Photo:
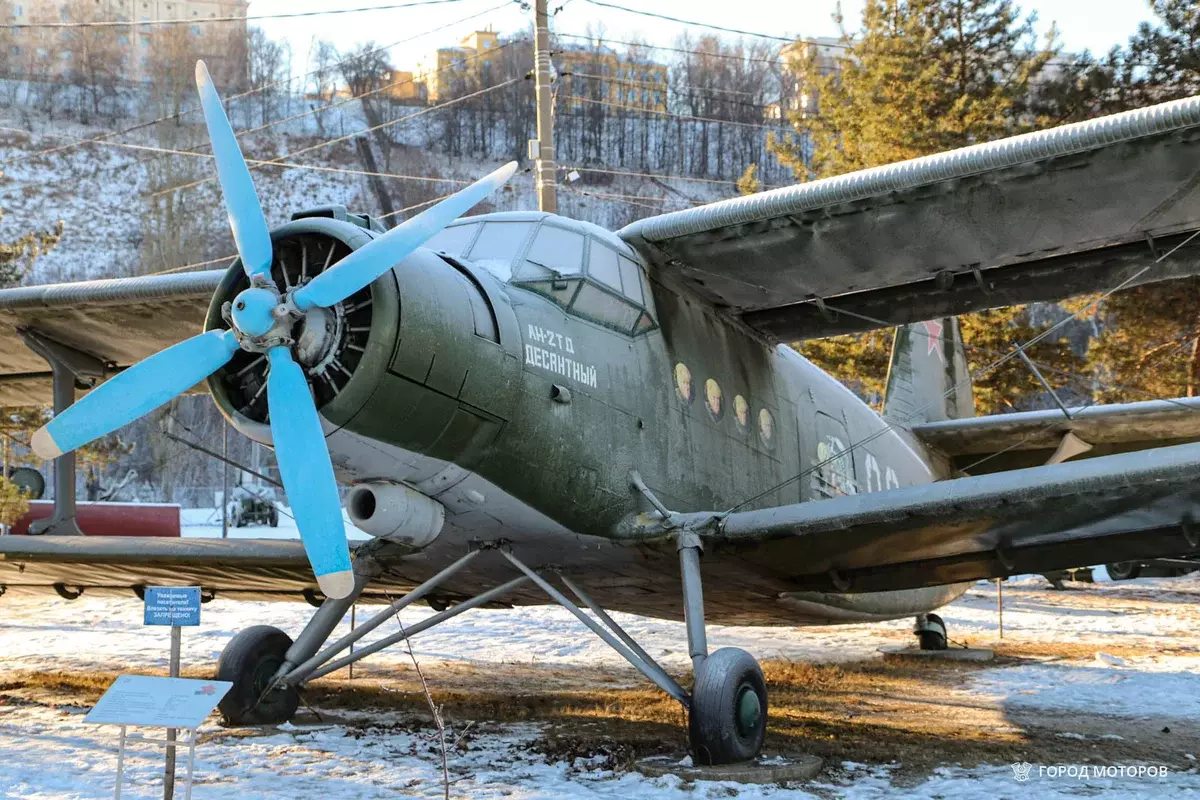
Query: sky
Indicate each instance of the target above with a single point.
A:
(1094, 25)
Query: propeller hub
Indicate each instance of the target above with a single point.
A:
(254, 312)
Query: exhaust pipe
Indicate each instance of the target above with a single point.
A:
(395, 512)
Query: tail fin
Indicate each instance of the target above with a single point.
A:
(928, 379)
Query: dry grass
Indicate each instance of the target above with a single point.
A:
(914, 712)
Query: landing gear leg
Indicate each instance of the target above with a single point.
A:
(727, 718)
(254, 659)
(930, 631)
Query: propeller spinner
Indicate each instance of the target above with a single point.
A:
(261, 321)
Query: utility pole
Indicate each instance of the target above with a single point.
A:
(541, 149)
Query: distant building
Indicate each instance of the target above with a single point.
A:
(132, 46)
(802, 61)
(439, 71)
(599, 73)
(402, 86)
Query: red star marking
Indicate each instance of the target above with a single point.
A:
(933, 329)
(208, 689)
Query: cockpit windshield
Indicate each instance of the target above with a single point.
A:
(581, 267)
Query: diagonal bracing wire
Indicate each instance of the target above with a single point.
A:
(888, 426)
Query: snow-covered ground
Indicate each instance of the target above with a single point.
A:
(47, 751)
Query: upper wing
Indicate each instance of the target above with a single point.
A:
(1035, 217)
(118, 322)
(1009, 441)
(1101, 510)
(244, 569)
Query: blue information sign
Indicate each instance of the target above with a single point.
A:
(172, 605)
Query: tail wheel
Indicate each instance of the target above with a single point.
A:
(933, 635)
(250, 661)
(727, 721)
(1123, 570)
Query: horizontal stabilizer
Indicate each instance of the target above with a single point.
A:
(1006, 441)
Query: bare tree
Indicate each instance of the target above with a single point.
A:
(96, 57)
(268, 63)
(324, 82)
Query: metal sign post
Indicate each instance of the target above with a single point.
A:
(175, 606)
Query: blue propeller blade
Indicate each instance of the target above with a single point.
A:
(367, 263)
(241, 201)
(138, 390)
(307, 473)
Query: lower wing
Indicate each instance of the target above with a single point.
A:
(1113, 508)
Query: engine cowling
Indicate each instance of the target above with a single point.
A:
(395, 512)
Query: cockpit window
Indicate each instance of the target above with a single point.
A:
(453, 241)
(588, 277)
(555, 249)
(582, 272)
(498, 244)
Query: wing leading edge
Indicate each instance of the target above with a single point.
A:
(242, 569)
(1113, 508)
(119, 322)
(1035, 217)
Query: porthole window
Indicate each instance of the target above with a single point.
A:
(713, 399)
(766, 428)
(683, 383)
(741, 412)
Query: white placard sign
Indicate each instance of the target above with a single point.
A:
(157, 702)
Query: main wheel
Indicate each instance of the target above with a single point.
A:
(1123, 570)
(727, 721)
(933, 636)
(249, 661)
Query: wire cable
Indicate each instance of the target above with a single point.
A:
(326, 143)
(249, 92)
(123, 23)
(673, 115)
(889, 425)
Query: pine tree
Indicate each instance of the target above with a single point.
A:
(920, 77)
(1149, 340)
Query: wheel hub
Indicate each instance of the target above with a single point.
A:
(748, 709)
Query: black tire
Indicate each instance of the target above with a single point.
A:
(249, 661)
(274, 520)
(934, 637)
(1123, 570)
(727, 722)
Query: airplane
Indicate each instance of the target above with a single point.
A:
(530, 409)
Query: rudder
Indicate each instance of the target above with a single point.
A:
(928, 378)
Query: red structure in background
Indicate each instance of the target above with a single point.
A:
(111, 519)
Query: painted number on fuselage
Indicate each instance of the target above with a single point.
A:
(554, 352)
(878, 480)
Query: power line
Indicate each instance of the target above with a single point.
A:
(249, 92)
(665, 177)
(691, 22)
(326, 143)
(121, 23)
(729, 56)
(259, 162)
(678, 88)
(688, 117)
